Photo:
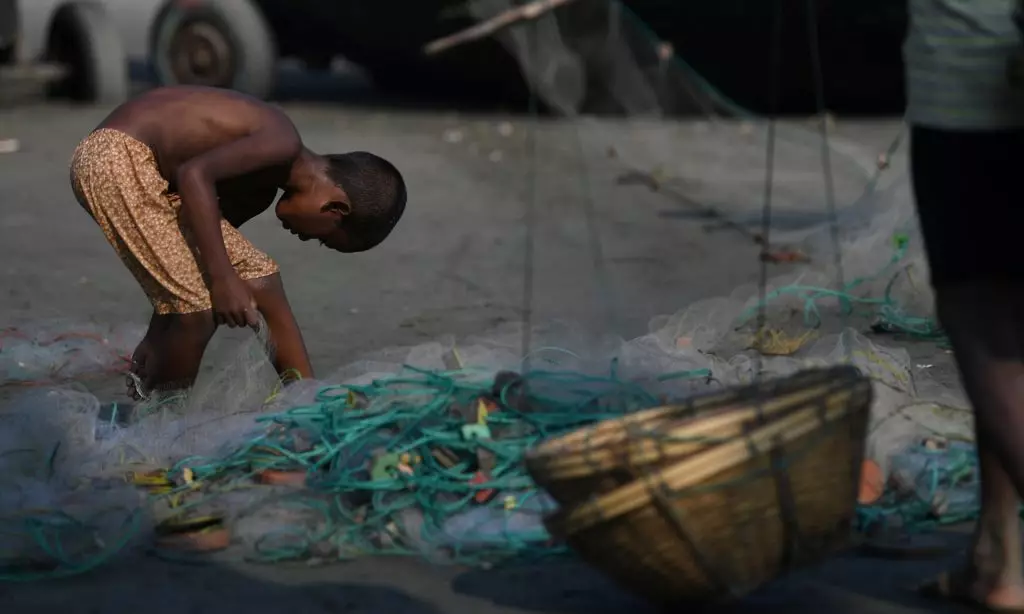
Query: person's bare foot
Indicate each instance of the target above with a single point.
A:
(998, 595)
(992, 579)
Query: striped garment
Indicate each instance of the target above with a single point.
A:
(956, 54)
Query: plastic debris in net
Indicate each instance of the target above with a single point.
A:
(933, 482)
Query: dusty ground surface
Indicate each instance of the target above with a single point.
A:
(455, 265)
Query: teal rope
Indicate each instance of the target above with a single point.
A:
(890, 316)
(406, 414)
(48, 531)
(945, 471)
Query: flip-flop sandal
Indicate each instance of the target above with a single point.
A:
(941, 588)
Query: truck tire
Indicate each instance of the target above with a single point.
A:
(84, 41)
(216, 43)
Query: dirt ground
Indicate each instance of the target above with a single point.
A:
(455, 265)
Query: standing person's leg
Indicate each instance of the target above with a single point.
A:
(969, 192)
(994, 381)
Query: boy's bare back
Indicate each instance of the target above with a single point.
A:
(180, 123)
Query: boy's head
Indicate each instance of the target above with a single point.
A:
(351, 204)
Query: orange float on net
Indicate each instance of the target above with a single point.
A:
(194, 535)
(207, 540)
(872, 483)
(275, 477)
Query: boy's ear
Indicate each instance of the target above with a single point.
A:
(337, 209)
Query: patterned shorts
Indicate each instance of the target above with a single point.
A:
(116, 179)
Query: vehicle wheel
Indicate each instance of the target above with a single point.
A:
(85, 42)
(216, 43)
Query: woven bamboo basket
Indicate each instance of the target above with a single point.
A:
(600, 458)
(733, 515)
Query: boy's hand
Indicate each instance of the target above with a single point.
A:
(233, 303)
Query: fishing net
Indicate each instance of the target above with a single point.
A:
(417, 450)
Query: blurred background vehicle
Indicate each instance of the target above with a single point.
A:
(239, 44)
(70, 47)
(730, 44)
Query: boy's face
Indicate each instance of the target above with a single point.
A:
(316, 214)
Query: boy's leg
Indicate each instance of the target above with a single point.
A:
(117, 180)
(968, 196)
(137, 381)
(170, 354)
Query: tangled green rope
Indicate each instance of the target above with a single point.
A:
(375, 481)
(888, 313)
(938, 473)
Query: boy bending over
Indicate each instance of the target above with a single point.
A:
(171, 175)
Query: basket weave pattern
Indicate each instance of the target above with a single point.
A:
(719, 518)
(597, 459)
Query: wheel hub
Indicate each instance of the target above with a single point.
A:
(201, 55)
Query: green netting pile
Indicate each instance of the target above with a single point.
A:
(425, 463)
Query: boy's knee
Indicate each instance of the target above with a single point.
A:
(191, 328)
(265, 283)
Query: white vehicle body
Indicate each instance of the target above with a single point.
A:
(219, 43)
(131, 18)
(70, 48)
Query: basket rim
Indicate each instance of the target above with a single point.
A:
(557, 456)
(551, 448)
(704, 401)
(694, 469)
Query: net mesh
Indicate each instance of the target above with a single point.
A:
(392, 450)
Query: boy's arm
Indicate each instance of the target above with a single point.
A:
(289, 350)
(277, 143)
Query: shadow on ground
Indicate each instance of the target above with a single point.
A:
(850, 584)
(564, 587)
(214, 589)
(845, 585)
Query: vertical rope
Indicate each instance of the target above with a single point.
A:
(606, 296)
(818, 76)
(769, 176)
(530, 206)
